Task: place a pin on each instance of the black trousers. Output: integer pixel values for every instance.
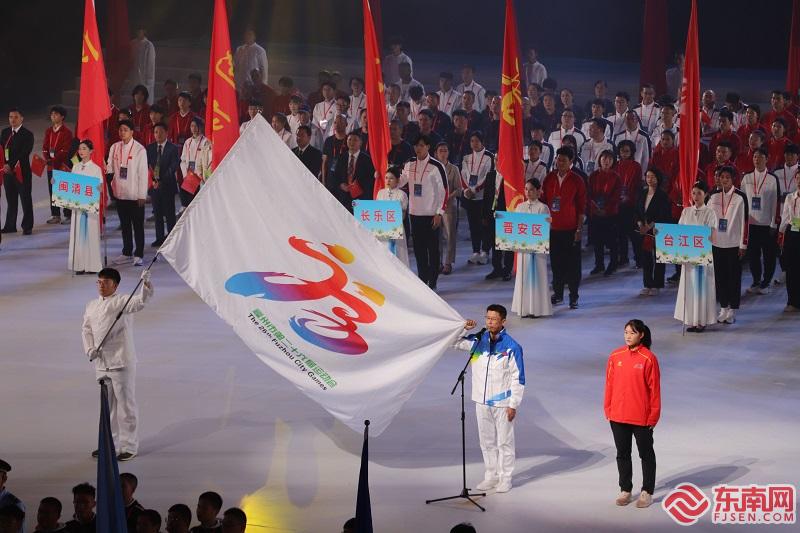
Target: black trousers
(163, 210)
(186, 198)
(131, 217)
(791, 257)
(727, 276)
(652, 272)
(761, 240)
(54, 210)
(478, 233)
(565, 261)
(644, 442)
(426, 248)
(626, 231)
(604, 235)
(17, 193)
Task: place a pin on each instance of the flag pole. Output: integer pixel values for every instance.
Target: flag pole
(363, 506)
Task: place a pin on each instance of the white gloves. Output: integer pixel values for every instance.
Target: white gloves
(93, 354)
(146, 276)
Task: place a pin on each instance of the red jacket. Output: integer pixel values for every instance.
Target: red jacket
(141, 119)
(711, 170)
(572, 200)
(178, 130)
(745, 130)
(604, 192)
(775, 148)
(791, 121)
(633, 387)
(667, 161)
(718, 137)
(59, 143)
(630, 172)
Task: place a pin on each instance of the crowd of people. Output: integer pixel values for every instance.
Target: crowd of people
(606, 172)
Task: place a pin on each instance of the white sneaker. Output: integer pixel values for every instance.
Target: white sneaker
(473, 260)
(653, 292)
(486, 484)
(723, 314)
(644, 292)
(122, 260)
(763, 290)
(730, 318)
(483, 258)
(137, 261)
(503, 486)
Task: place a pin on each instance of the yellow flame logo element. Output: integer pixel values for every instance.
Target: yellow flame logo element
(225, 72)
(507, 104)
(218, 125)
(87, 43)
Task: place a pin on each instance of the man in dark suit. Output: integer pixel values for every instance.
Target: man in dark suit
(310, 156)
(494, 199)
(17, 144)
(163, 159)
(354, 176)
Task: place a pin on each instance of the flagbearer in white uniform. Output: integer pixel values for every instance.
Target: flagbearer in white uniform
(498, 382)
(116, 359)
(398, 247)
(531, 290)
(84, 236)
(697, 295)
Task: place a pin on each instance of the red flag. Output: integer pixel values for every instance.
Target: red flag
(222, 119)
(509, 150)
(377, 118)
(793, 72)
(94, 107)
(689, 149)
(655, 45)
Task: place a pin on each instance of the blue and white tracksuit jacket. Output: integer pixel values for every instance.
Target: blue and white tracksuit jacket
(498, 371)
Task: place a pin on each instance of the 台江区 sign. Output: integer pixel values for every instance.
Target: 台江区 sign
(683, 243)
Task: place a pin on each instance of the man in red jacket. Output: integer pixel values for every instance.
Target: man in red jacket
(744, 162)
(55, 148)
(633, 406)
(565, 194)
(779, 110)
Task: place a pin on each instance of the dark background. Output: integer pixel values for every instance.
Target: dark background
(40, 40)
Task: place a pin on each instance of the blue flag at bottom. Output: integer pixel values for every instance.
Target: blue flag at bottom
(110, 509)
(363, 507)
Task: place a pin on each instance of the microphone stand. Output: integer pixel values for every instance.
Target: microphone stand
(465, 493)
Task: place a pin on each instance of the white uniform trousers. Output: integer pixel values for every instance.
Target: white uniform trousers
(122, 408)
(496, 434)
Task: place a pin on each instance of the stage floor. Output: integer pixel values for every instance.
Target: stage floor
(213, 417)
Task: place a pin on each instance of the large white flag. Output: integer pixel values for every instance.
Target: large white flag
(311, 292)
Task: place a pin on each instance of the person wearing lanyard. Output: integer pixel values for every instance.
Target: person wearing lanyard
(534, 166)
(426, 179)
(786, 180)
(603, 195)
(358, 100)
(163, 159)
(468, 84)
(474, 169)
(648, 111)
(449, 233)
(332, 148)
(763, 198)
(790, 246)
(325, 111)
(617, 118)
(596, 145)
(140, 110)
(17, 141)
(57, 141)
(634, 133)
(400, 151)
(179, 122)
(127, 161)
(458, 139)
(567, 128)
(449, 98)
(730, 243)
(564, 193)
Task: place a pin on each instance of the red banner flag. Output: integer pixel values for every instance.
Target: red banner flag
(222, 119)
(793, 72)
(377, 118)
(509, 150)
(94, 107)
(689, 149)
(655, 45)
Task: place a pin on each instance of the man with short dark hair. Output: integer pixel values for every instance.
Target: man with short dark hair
(12, 518)
(442, 123)
(463, 528)
(133, 508)
(564, 192)
(56, 146)
(148, 521)
(208, 507)
(648, 111)
(17, 141)
(325, 111)
(458, 138)
(406, 80)
(163, 160)
(83, 501)
(310, 156)
(286, 90)
(169, 102)
(617, 118)
(48, 515)
(392, 61)
(449, 98)
(401, 151)
(498, 384)
(179, 123)
(468, 84)
(350, 526)
(248, 56)
(234, 520)
(600, 88)
(410, 130)
(179, 518)
(763, 201)
(115, 361)
(354, 177)
(632, 131)
(725, 133)
(778, 104)
(140, 110)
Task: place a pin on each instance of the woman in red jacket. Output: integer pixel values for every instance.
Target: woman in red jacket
(633, 406)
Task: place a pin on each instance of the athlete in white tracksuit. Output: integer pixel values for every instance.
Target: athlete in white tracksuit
(116, 360)
(498, 382)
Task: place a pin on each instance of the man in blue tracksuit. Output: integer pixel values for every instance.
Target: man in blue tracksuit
(498, 382)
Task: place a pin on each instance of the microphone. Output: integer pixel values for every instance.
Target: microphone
(480, 334)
